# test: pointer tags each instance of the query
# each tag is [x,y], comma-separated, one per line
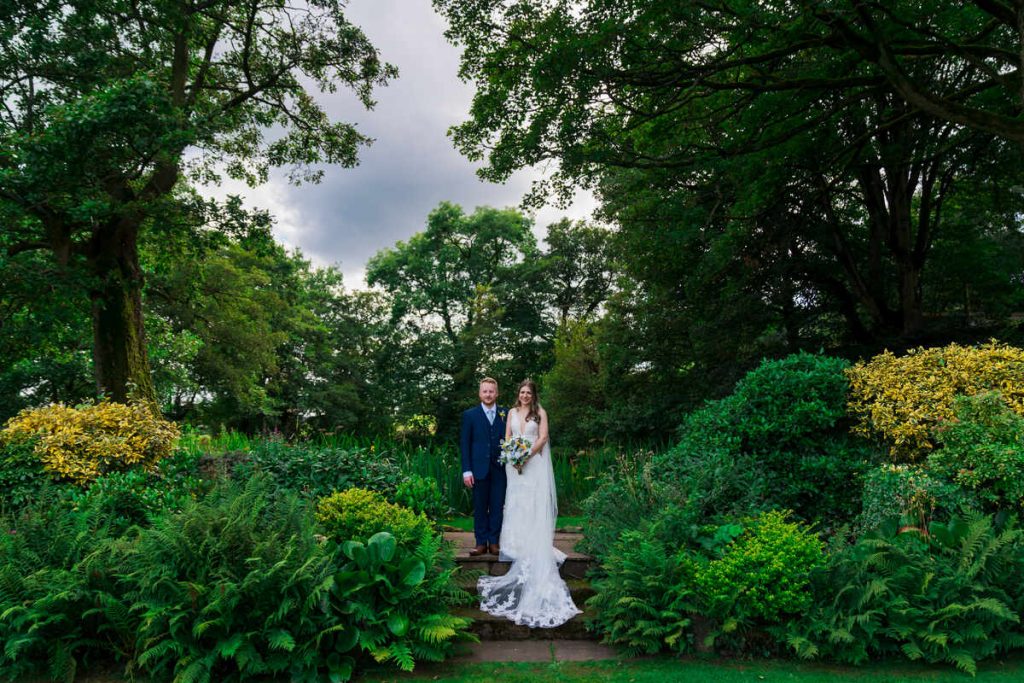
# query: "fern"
[953,596]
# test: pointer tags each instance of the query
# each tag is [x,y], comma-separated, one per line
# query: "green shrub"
[781,440]
[137,496]
[983,450]
[358,514]
[625,499]
[910,494]
[421,494]
[21,475]
[762,575]
[316,472]
[236,586]
[643,603]
[953,595]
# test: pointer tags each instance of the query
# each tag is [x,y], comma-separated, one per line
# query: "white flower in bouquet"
[515,451]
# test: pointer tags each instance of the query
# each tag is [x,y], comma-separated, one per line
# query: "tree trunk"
[121,362]
[910,300]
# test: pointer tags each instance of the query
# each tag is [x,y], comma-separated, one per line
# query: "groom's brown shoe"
[494,549]
[479,550]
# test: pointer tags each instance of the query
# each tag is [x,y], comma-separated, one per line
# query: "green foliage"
[138,496]
[625,498]
[421,495]
[983,450]
[397,599]
[357,514]
[953,595]
[317,471]
[643,603]
[139,97]
[909,493]
[21,475]
[59,604]
[779,440]
[764,574]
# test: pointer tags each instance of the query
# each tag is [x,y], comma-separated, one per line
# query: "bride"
[532,593]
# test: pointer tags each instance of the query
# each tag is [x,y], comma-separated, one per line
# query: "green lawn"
[661,670]
[466,523]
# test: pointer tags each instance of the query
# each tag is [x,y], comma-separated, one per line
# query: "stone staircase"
[569,638]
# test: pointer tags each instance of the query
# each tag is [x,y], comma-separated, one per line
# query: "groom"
[483,428]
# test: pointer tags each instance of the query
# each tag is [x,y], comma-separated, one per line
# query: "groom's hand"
[468,481]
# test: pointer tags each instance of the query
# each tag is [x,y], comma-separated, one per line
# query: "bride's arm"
[542,437]
[508,425]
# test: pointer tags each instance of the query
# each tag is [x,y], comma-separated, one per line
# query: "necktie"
[490,416]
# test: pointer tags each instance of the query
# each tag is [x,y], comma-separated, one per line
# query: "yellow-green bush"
[80,444]
[356,514]
[902,398]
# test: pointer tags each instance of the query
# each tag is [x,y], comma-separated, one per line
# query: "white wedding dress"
[532,593]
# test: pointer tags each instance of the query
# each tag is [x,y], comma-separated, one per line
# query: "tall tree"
[467,288]
[800,145]
[578,268]
[108,103]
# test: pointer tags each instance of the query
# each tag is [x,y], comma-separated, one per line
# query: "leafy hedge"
[358,514]
[82,443]
[317,472]
[901,399]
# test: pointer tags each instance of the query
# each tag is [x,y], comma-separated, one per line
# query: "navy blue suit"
[480,444]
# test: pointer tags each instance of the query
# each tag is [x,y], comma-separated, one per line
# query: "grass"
[663,670]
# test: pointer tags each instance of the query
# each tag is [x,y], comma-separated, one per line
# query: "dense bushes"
[953,595]
[238,585]
[694,551]
[983,450]
[645,601]
[763,574]
[82,443]
[316,472]
[421,494]
[21,475]
[732,578]
[901,399]
[57,606]
[780,441]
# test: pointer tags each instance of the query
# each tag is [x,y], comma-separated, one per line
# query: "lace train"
[532,593]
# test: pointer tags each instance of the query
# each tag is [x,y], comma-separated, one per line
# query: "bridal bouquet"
[514,451]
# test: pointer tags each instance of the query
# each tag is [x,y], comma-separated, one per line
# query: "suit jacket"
[480,441]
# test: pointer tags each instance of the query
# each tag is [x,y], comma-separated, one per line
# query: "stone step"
[572,568]
[580,589]
[489,627]
[575,566]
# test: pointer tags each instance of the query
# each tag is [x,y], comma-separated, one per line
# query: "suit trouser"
[488,505]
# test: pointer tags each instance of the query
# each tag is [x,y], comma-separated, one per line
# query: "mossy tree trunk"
[120,358]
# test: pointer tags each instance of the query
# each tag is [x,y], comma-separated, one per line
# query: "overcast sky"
[411,167]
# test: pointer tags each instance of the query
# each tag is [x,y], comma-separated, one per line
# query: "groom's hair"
[489,380]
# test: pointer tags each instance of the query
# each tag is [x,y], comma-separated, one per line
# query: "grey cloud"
[411,167]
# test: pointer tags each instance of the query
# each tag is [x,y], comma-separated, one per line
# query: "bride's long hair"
[534,412]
